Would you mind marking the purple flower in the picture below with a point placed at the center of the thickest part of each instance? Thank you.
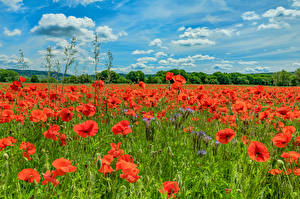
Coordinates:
(201, 152)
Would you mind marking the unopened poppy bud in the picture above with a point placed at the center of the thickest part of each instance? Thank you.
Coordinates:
(5, 156)
(280, 162)
(98, 162)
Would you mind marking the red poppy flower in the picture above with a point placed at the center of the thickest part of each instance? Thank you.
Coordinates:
(115, 150)
(170, 187)
(38, 115)
(291, 156)
(275, 172)
(105, 164)
(65, 115)
(297, 172)
(29, 175)
(22, 79)
(258, 151)
(88, 110)
(125, 163)
(4, 142)
(29, 149)
(281, 139)
(225, 135)
(87, 128)
(142, 84)
(169, 76)
(6, 116)
(63, 139)
(62, 166)
(121, 128)
(179, 78)
(52, 132)
(49, 178)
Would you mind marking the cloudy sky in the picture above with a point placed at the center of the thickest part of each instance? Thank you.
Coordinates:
(196, 35)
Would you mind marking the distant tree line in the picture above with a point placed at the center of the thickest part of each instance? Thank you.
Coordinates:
(282, 78)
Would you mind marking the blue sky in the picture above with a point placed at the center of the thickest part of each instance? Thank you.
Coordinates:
(195, 35)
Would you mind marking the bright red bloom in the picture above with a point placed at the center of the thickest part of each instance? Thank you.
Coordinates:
(125, 163)
(88, 110)
(38, 115)
(87, 128)
(289, 130)
(63, 139)
(48, 178)
(121, 128)
(179, 78)
(22, 79)
(281, 139)
(6, 116)
(142, 84)
(4, 142)
(29, 175)
(171, 188)
(297, 172)
(169, 76)
(52, 132)
(225, 135)
(29, 149)
(297, 141)
(65, 115)
(98, 83)
(258, 151)
(62, 166)
(105, 164)
(275, 172)
(291, 156)
(115, 150)
(244, 139)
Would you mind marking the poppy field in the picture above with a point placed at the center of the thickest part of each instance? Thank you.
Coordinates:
(149, 141)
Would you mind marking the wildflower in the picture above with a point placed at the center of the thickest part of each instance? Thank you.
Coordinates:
(29, 149)
(87, 128)
(105, 164)
(38, 115)
(62, 166)
(121, 128)
(291, 156)
(52, 132)
(281, 139)
(49, 178)
(65, 115)
(115, 150)
(224, 136)
(170, 187)
(201, 152)
(275, 171)
(258, 151)
(29, 175)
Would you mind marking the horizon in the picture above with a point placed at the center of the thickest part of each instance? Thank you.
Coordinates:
(196, 36)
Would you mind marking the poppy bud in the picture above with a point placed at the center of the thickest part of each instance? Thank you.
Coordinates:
(98, 162)
(5, 156)
(280, 163)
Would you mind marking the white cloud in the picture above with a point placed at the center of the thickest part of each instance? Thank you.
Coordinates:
(281, 12)
(58, 25)
(185, 61)
(296, 64)
(141, 52)
(257, 69)
(248, 62)
(181, 28)
(250, 15)
(13, 5)
(221, 67)
(194, 42)
(296, 3)
(202, 36)
(11, 61)
(12, 33)
(273, 25)
(161, 54)
(146, 59)
(156, 42)
(76, 2)
(106, 34)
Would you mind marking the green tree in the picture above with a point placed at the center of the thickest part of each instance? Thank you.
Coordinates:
(135, 76)
(34, 79)
(104, 76)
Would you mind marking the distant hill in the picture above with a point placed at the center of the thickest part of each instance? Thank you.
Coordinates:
(40, 74)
